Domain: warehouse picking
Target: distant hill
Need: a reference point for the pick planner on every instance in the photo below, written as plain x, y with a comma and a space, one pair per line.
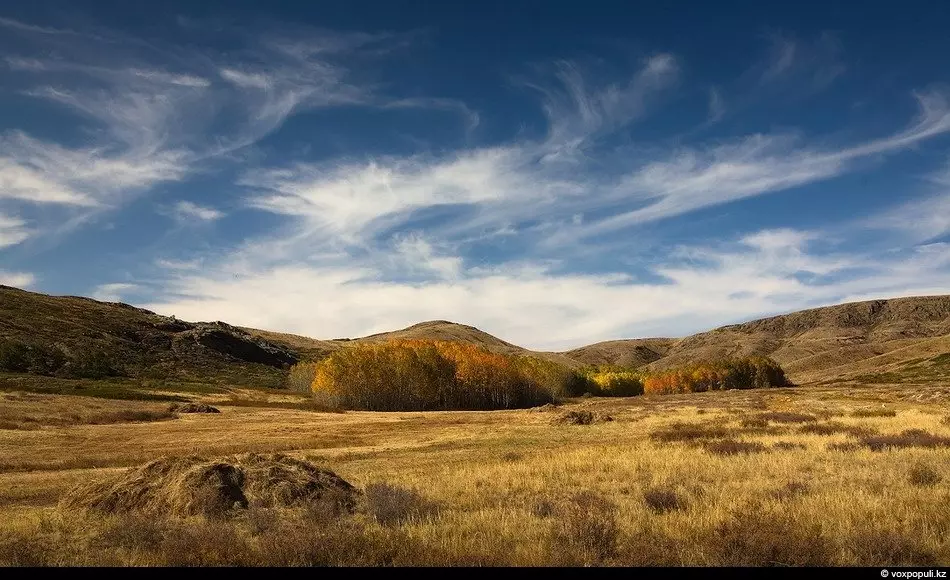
829, 342
635, 352
903, 338
140, 343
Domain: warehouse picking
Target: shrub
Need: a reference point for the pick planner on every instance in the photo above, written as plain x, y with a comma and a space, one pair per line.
21, 357
877, 545
907, 438
835, 427
663, 500
734, 447
391, 505
93, 364
923, 475
585, 531
754, 536
14, 356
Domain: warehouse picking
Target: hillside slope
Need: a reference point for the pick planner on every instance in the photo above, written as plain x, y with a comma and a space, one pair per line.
823, 343
633, 353
139, 343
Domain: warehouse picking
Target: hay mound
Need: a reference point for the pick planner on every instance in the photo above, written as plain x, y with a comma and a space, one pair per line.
188, 486
193, 408
581, 418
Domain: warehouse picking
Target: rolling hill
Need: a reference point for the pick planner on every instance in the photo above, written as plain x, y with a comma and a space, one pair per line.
898, 338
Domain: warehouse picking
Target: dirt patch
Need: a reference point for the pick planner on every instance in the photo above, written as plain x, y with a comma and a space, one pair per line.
193, 408
581, 418
187, 486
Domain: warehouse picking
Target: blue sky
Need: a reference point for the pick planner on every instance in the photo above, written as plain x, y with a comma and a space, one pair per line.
553, 175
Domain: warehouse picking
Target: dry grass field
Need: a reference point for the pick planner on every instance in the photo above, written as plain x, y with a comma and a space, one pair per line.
810, 475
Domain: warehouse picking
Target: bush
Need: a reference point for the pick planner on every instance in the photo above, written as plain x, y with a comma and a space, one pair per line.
418, 375
586, 531
391, 505
756, 536
14, 356
663, 500
93, 364
734, 447
906, 438
21, 357
923, 476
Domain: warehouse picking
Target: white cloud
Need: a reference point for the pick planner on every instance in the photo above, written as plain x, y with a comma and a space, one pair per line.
919, 220
17, 279
187, 211
152, 112
13, 230
178, 264
693, 179
41, 172
809, 65
578, 109
113, 292
344, 201
414, 253
528, 304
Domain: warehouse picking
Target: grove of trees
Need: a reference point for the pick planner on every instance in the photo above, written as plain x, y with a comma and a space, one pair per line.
422, 375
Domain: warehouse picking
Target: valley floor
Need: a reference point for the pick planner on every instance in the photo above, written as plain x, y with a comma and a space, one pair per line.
811, 475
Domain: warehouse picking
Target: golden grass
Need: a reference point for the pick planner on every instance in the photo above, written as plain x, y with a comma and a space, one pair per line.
510, 487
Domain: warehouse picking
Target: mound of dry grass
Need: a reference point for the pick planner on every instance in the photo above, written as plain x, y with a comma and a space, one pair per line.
581, 418
193, 408
186, 486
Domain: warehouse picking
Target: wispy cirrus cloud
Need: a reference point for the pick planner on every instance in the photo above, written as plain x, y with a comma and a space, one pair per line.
812, 64
13, 230
150, 112
579, 109
513, 184
188, 211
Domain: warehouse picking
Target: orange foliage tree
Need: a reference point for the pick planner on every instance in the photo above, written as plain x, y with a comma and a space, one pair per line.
420, 375
744, 373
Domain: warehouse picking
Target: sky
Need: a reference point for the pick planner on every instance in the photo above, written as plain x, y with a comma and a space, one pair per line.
554, 175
